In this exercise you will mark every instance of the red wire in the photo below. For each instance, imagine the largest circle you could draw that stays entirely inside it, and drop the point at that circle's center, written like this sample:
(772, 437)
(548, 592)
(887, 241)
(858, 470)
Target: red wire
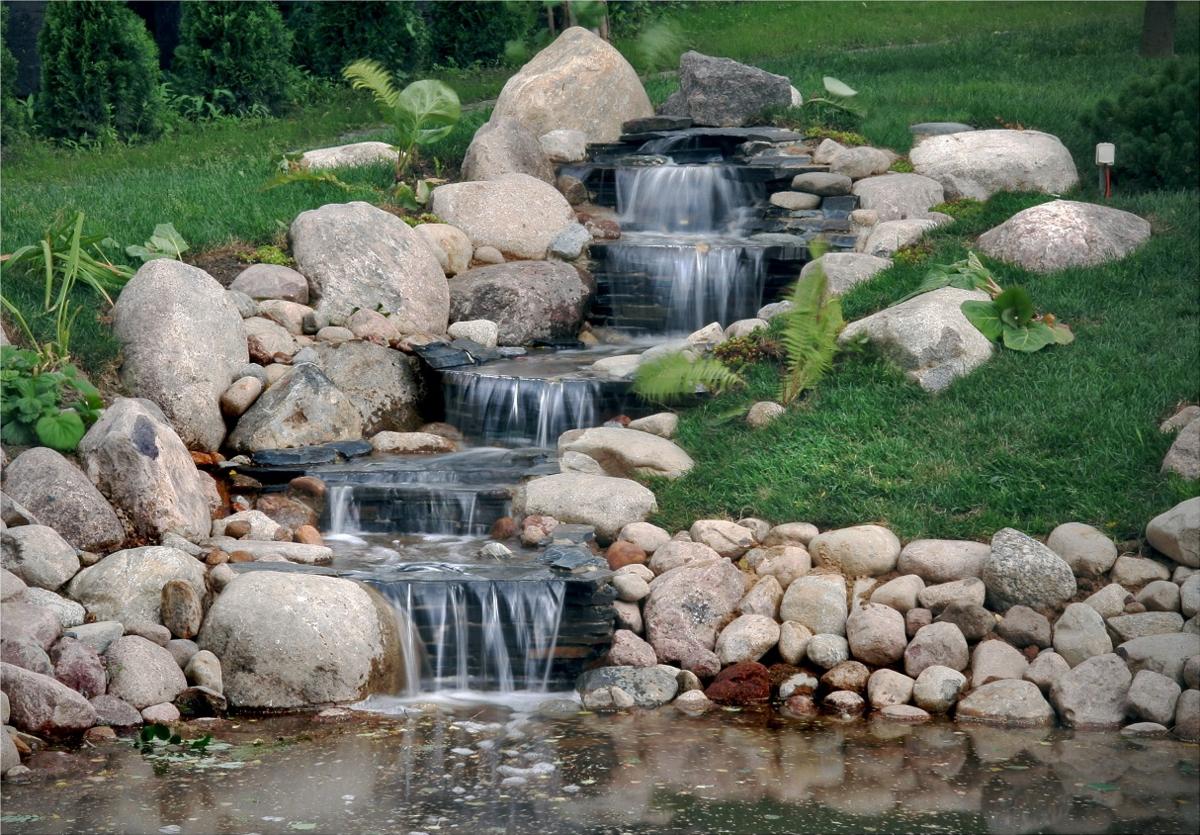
(1107, 182)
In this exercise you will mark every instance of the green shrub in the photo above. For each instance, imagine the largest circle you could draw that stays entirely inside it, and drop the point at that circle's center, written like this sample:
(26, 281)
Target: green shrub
(99, 73)
(238, 53)
(465, 33)
(331, 35)
(1155, 124)
(12, 111)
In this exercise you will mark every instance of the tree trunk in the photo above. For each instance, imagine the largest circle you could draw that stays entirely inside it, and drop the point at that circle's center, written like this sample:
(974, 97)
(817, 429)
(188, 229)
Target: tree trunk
(1158, 29)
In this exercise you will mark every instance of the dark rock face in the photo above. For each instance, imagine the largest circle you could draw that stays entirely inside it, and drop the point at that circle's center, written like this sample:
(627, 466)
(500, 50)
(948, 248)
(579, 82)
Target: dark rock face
(723, 93)
(741, 684)
(528, 299)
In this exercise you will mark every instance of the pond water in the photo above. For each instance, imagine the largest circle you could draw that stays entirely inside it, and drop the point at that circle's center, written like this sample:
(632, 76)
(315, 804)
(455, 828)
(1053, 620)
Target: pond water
(462, 766)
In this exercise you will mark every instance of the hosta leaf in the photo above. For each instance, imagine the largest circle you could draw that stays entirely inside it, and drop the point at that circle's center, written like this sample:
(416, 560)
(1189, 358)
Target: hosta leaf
(426, 111)
(1062, 334)
(17, 433)
(1017, 299)
(62, 431)
(838, 88)
(985, 316)
(167, 239)
(1032, 338)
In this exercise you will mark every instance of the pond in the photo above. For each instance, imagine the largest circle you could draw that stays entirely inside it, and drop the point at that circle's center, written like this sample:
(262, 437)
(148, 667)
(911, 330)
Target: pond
(462, 765)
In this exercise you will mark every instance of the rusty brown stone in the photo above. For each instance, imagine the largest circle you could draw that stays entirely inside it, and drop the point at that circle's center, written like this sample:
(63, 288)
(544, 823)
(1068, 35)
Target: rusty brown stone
(621, 554)
(504, 528)
(241, 556)
(741, 684)
(307, 485)
(238, 528)
(287, 512)
(309, 535)
(182, 608)
(215, 556)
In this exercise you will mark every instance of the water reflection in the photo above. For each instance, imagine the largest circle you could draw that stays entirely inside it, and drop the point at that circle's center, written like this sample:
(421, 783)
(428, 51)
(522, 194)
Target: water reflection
(491, 769)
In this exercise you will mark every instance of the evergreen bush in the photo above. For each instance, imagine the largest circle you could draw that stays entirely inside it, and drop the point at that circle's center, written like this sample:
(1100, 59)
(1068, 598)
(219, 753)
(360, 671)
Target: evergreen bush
(12, 112)
(330, 36)
(1155, 124)
(100, 77)
(237, 55)
(466, 33)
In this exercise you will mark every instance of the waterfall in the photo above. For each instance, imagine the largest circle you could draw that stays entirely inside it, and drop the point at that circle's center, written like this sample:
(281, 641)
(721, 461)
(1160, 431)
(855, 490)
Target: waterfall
(683, 200)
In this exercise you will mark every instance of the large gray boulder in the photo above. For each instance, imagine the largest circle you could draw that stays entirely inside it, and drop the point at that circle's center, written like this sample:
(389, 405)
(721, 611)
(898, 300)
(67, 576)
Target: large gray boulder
(354, 155)
(898, 196)
(505, 146)
(528, 299)
(688, 607)
(817, 601)
(720, 92)
(42, 706)
(1014, 704)
(517, 214)
(358, 256)
(978, 164)
(62, 497)
(127, 586)
(1065, 233)
(647, 686)
(272, 281)
(1184, 455)
(625, 453)
(38, 555)
(888, 236)
(294, 640)
(1164, 654)
(303, 408)
(1022, 571)
(1092, 695)
(843, 270)
(135, 458)
(182, 342)
(383, 384)
(142, 673)
(857, 551)
(579, 82)
(608, 504)
(1177, 532)
(927, 336)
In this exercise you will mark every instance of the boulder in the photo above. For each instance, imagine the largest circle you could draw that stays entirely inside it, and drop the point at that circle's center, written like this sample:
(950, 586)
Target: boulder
(848, 675)
(1134, 571)
(1109, 601)
(978, 164)
(859, 551)
(720, 92)
(901, 593)
(142, 673)
(1176, 532)
(272, 281)
(358, 256)
(115, 712)
(937, 689)
(288, 315)
(995, 661)
(631, 588)
(645, 536)
(748, 638)
(943, 560)
(1092, 695)
(384, 385)
(1184, 455)
(1087, 550)
(827, 651)
(763, 599)
(968, 592)
(843, 270)
(1164, 654)
(628, 650)
(885, 238)
(1023, 627)
(741, 684)
(1187, 716)
(689, 606)
(927, 336)
(876, 634)
(888, 687)
(822, 183)
(353, 155)
(1065, 233)
(23, 653)
(939, 644)
(182, 341)
(793, 642)
(1022, 571)
(626, 453)
(70, 613)
(608, 504)
(898, 196)
(529, 299)
(182, 608)
(42, 706)
(302, 408)
(817, 601)
(48, 485)
(1046, 669)
(647, 686)
(128, 586)
(136, 459)
(786, 563)
(1159, 596)
(1013, 704)
(294, 640)
(564, 145)
(1152, 698)
(505, 146)
(38, 555)
(579, 83)
(680, 552)
(515, 213)
(729, 539)
(267, 338)
(863, 161)
(972, 619)
(448, 244)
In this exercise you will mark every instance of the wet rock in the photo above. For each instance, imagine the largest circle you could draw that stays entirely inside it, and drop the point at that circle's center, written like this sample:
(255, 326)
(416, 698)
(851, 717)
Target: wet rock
(817, 601)
(607, 503)
(291, 640)
(41, 706)
(900, 594)
(862, 550)
(803, 683)
(943, 560)
(844, 703)
(627, 453)
(800, 707)
(302, 408)
(688, 606)
(1023, 627)
(1022, 571)
(740, 684)
(530, 300)
(1047, 669)
(848, 675)
(1079, 634)
(827, 651)
(1087, 550)
(996, 661)
(38, 555)
(412, 443)
(748, 638)
(876, 634)
(384, 385)
(646, 686)
(1152, 698)
(1187, 716)
(693, 701)
(1176, 532)
(939, 644)
(127, 586)
(973, 620)
(904, 713)
(1017, 704)
(1065, 233)
(1092, 695)
(62, 497)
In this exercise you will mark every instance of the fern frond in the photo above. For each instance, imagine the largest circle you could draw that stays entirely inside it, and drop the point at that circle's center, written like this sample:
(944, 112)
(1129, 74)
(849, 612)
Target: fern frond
(809, 336)
(373, 76)
(673, 377)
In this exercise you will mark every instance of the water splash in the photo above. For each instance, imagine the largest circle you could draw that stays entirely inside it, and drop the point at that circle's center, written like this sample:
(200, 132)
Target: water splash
(684, 199)
(519, 410)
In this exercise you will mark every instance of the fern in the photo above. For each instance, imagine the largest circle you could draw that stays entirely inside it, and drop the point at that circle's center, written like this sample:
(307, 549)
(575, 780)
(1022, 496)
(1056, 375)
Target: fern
(371, 75)
(673, 377)
(809, 336)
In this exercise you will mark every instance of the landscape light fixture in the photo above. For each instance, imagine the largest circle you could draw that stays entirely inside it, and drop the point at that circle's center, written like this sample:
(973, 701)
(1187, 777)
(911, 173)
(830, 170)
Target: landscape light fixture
(1106, 155)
